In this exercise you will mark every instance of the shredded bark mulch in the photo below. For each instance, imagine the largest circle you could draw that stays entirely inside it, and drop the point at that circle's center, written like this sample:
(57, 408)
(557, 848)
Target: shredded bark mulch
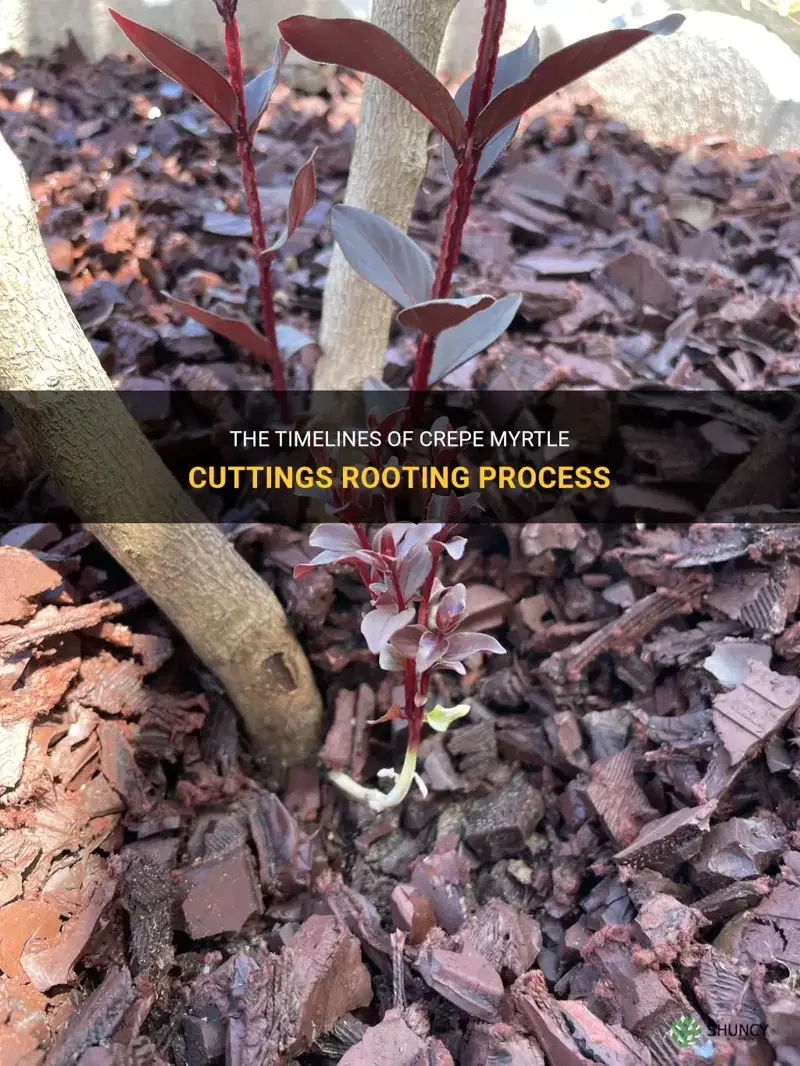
(607, 866)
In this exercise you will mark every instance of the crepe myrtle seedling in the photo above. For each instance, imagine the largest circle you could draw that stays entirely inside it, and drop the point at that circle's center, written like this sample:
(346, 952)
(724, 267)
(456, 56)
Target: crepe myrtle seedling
(475, 126)
(414, 627)
(240, 105)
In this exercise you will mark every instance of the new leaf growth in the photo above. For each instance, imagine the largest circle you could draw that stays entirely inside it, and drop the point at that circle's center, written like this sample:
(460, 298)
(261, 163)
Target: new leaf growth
(414, 627)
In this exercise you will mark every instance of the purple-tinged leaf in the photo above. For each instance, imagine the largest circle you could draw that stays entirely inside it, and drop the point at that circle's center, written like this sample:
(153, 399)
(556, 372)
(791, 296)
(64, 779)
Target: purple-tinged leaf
(406, 641)
(362, 46)
(301, 200)
(456, 545)
(413, 570)
(430, 651)
(414, 534)
(454, 346)
(183, 66)
(387, 538)
(241, 333)
(379, 626)
(434, 316)
(257, 93)
(511, 68)
(450, 608)
(462, 645)
(327, 558)
(561, 69)
(383, 255)
(335, 536)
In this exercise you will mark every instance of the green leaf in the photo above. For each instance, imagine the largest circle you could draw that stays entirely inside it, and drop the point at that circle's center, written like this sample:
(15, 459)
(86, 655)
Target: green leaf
(441, 718)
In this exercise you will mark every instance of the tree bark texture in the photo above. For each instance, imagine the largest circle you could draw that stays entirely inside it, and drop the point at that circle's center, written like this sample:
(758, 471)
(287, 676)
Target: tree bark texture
(68, 412)
(389, 162)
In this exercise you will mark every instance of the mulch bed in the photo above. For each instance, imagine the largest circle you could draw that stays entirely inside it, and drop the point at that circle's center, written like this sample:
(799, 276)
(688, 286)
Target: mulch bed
(607, 867)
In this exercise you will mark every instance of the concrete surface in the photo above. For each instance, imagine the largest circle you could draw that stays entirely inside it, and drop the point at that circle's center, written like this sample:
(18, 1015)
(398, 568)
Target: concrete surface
(725, 72)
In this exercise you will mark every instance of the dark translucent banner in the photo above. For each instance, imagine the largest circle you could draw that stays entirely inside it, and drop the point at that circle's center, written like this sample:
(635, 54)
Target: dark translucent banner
(594, 457)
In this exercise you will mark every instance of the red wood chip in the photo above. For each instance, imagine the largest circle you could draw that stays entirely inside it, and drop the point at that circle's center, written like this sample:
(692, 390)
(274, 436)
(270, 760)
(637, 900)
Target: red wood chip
(23, 577)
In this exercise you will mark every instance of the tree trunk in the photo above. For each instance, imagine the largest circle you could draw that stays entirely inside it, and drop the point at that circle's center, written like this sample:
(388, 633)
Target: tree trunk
(389, 163)
(68, 411)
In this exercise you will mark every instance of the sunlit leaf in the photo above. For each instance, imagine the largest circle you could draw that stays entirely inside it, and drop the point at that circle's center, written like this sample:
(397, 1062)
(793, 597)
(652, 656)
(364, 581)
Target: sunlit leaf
(362, 46)
(301, 200)
(241, 333)
(455, 346)
(194, 73)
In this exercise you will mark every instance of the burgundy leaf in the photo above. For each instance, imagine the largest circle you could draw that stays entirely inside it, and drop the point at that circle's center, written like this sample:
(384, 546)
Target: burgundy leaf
(511, 68)
(379, 626)
(362, 46)
(462, 645)
(454, 346)
(433, 316)
(183, 66)
(559, 70)
(233, 329)
(383, 255)
(301, 200)
(257, 93)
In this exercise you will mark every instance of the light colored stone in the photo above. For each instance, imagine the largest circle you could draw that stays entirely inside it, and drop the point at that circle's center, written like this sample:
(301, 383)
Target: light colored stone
(719, 74)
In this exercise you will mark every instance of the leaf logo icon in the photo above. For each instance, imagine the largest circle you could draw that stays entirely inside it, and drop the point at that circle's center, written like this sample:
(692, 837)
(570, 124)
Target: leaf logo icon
(685, 1031)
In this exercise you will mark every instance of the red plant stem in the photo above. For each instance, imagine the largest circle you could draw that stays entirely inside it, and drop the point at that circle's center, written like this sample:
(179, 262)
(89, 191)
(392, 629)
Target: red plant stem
(361, 533)
(427, 587)
(244, 149)
(413, 713)
(464, 179)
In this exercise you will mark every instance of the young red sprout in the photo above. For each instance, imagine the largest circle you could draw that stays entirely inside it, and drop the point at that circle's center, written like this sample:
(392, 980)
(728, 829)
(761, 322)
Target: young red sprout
(475, 126)
(240, 105)
(414, 627)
